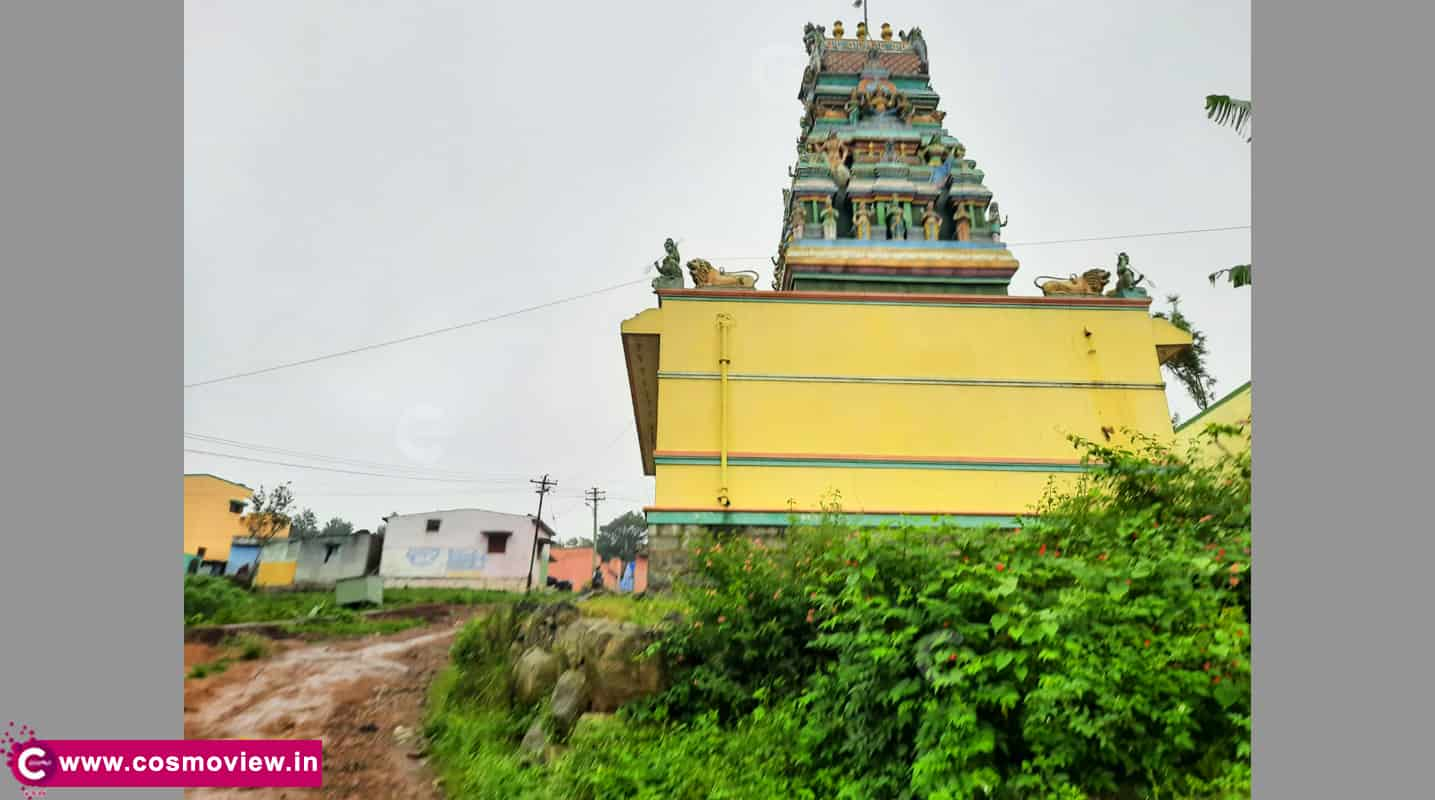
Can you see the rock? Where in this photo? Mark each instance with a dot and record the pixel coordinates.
(570, 699)
(534, 741)
(553, 752)
(541, 624)
(535, 674)
(402, 734)
(621, 674)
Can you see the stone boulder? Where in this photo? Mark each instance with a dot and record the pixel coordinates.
(609, 655)
(571, 697)
(534, 742)
(535, 675)
(541, 623)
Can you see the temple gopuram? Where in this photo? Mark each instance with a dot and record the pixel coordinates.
(888, 375)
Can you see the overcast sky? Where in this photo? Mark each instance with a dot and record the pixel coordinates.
(362, 172)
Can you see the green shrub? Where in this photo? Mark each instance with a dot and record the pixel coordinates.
(1103, 648)
(248, 647)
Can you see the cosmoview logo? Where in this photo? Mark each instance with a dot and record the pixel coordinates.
(35, 763)
(29, 760)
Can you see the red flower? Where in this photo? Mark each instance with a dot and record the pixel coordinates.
(1147, 644)
(1220, 554)
(1215, 679)
(1155, 524)
(1235, 580)
(809, 615)
(1240, 632)
(951, 658)
(1206, 666)
(1001, 567)
(1058, 554)
(1128, 581)
(1041, 551)
(721, 620)
(946, 624)
(1101, 557)
(1235, 568)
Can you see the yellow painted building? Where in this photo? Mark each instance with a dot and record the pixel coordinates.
(213, 515)
(1233, 409)
(917, 405)
(889, 373)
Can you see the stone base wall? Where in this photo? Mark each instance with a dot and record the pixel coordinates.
(668, 548)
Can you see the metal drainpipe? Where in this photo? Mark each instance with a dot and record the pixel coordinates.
(725, 322)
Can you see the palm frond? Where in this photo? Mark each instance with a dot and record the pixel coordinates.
(1239, 275)
(1229, 112)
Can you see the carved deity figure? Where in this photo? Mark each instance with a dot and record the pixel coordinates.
(919, 45)
(995, 221)
(931, 223)
(933, 151)
(829, 220)
(797, 223)
(670, 268)
(862, 220)
(1127, 279)
(896, 222)
(963, 219)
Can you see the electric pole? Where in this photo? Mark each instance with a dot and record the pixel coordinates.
(595, 495)
(544, 486)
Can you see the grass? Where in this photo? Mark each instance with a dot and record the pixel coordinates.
(648, 610)
(215, 601)
(245, 647)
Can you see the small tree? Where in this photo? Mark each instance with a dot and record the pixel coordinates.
(269, 512)
(306, 524)
(624, 537)
(337, 527)
(1189, 367)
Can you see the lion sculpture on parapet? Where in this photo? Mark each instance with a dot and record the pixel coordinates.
(1091, 281)
(706, 276)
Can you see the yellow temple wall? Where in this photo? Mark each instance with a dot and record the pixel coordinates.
(1233, 409)
(951, 408)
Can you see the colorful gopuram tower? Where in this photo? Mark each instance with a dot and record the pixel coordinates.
(888, 374)
(884, 197)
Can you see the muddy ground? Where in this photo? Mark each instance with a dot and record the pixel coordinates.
(353, 695)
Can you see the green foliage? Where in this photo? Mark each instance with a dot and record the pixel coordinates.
(1189, 367)
(248, 647)
(1100, 651)
(1103, 648)
(646, 610)
(304, 525)
(1239, 275)
(623, 537)
(1229, 112)
(337, 527)
(269, 511)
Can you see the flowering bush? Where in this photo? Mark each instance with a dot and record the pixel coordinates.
(1101, 648)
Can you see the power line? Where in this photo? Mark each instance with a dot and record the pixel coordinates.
(414, 337)
(329, 469)
(434, 473)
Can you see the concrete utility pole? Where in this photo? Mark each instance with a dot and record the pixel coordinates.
(544, 486)
(595, 495)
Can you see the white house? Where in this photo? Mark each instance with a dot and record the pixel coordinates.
(464, 547)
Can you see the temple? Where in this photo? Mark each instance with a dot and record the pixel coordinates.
(888, 375)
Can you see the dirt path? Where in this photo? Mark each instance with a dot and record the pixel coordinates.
(351, 694)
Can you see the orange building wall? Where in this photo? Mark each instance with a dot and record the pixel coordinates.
(575, 565)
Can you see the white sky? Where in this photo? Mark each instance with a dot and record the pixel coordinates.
(362, 172)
